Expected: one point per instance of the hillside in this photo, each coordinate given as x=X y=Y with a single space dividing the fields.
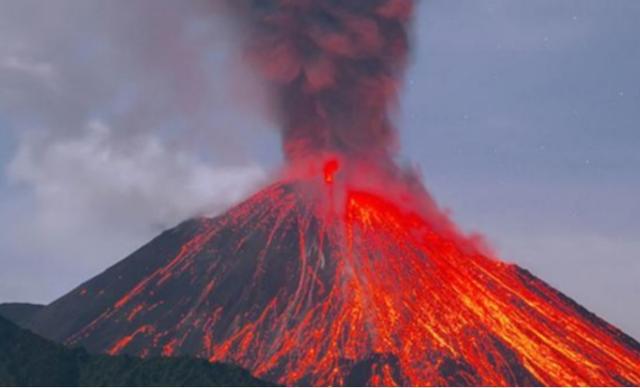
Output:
x=299 y=291
x=29 y=360
x=19 y=313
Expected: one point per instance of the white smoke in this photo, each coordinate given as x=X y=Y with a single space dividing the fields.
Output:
x=126 y=118
x=88 y=179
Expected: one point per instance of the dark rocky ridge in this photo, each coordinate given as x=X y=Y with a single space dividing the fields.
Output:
x=29 y=360
x=19 y=313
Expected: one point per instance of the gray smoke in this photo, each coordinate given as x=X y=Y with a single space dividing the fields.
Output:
x=124 y=117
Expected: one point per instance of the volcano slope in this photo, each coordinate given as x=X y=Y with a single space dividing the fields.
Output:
x=27 y=360
x=301 y=285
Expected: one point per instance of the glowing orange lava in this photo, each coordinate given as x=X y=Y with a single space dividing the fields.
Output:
x=371 y=291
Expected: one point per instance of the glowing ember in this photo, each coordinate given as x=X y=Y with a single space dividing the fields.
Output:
x=330 y=169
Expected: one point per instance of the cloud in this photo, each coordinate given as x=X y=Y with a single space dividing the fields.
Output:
x=33 y=69
x=90 y=178
x=125 y=118
x=141 y=66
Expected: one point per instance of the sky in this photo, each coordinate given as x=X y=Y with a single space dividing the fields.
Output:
x=119 y=119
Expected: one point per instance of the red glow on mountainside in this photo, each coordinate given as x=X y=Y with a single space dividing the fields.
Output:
x=344 y=272
x=371 y=285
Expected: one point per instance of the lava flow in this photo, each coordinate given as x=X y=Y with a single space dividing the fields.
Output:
x=302 y=285
x=344 y=271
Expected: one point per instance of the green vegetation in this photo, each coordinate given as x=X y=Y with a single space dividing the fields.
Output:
x=29 y=360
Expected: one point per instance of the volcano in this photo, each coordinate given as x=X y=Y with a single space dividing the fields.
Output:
x=316 y=281
x=344 y=271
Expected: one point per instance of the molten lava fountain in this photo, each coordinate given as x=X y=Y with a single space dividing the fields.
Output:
x=344 y=271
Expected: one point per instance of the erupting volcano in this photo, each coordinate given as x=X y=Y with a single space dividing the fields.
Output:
x=344 y=271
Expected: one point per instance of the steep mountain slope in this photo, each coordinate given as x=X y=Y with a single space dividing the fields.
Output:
x=29 y=360
x=302 y=286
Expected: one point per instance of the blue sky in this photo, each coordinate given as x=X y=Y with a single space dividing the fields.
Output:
x=521 y=115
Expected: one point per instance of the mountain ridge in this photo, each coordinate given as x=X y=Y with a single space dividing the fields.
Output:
x=20 y=313
x=29 y=360
x=290 y=289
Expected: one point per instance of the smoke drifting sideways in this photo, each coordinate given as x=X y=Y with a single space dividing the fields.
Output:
x=126 y=80
x=333 y=68
x=117 y=120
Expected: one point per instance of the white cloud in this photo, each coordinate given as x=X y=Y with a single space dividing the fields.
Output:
x=41 y=70
x=127 y=118
x=92 y=202
x=91 y=178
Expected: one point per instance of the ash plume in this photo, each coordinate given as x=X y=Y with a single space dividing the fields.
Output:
x=333 y=67
x=339 y=278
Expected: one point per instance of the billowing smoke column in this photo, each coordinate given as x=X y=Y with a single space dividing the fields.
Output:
x=334 y=67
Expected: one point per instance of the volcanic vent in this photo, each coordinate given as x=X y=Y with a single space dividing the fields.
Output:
x=344 y=271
